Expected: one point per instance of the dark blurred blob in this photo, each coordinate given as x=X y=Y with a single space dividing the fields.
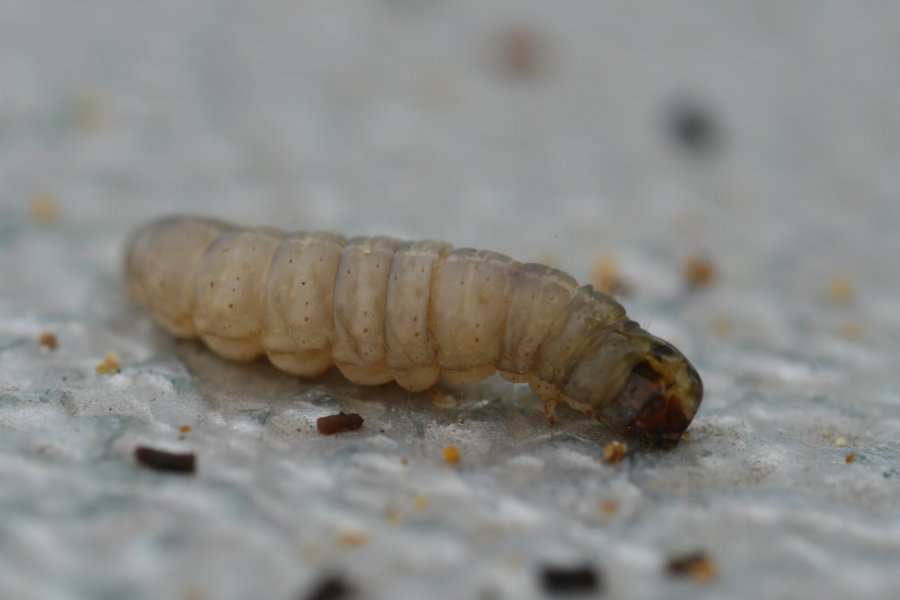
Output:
x=694 y=128
x=331 y=587
x=697 y=566
x=570 y=580
x=521 y=52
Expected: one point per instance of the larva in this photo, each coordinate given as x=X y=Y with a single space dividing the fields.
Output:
x=384 y=310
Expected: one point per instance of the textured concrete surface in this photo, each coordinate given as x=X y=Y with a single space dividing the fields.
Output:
x=761 y=137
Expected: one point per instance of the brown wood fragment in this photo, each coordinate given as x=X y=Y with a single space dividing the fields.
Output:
x=699 y=566
x=162 y=460
x=48 y=340
x=339 y=423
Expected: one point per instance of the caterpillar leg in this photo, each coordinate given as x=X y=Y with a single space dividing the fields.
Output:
x=549 y=395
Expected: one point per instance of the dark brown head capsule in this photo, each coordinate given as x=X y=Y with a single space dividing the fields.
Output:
x=666 y=391
x=637 y=383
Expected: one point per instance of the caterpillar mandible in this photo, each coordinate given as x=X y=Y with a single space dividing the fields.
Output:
x=383 y=310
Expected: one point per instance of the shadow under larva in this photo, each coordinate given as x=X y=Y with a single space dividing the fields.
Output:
x=381 y=310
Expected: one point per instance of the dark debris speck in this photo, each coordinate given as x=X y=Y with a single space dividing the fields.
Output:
x=339 y=423
x=162 y=460
x=332 y=587
x=694 y=129
x=570 y=580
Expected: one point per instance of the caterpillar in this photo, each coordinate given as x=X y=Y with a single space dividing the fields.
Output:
x=384 y=310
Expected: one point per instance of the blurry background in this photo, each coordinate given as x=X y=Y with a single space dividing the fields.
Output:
x=729 y=170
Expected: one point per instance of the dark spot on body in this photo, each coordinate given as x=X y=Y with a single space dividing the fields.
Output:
x=661 y=351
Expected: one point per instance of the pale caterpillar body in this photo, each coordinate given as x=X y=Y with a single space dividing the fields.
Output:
x=384 y=310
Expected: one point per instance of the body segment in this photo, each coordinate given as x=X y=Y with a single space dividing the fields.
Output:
x=469 y=305
x=297 y=327
x=412 y=351
x=383 y=310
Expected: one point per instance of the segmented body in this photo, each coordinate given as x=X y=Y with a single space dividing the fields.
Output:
x=384 y=310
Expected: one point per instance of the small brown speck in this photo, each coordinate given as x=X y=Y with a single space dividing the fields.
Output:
x=721 y=325
x=698 y=272
x=44 y=207
x=109 y=365
x=420 y=501
x=339 y=423
x=451 y=454
x=393 y=515
x=850 y=458
x=48 y=340
x=853 y=331
x=698 y=566
x=840 y=290
x=352 y=539
x=521 y=53
x=614 y=452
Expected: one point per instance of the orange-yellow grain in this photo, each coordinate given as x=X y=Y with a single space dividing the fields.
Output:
x=451 y=454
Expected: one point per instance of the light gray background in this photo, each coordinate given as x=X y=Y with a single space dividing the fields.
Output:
x=394 y=117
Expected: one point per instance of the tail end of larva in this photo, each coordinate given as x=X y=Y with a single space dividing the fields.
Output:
x=159 y=267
